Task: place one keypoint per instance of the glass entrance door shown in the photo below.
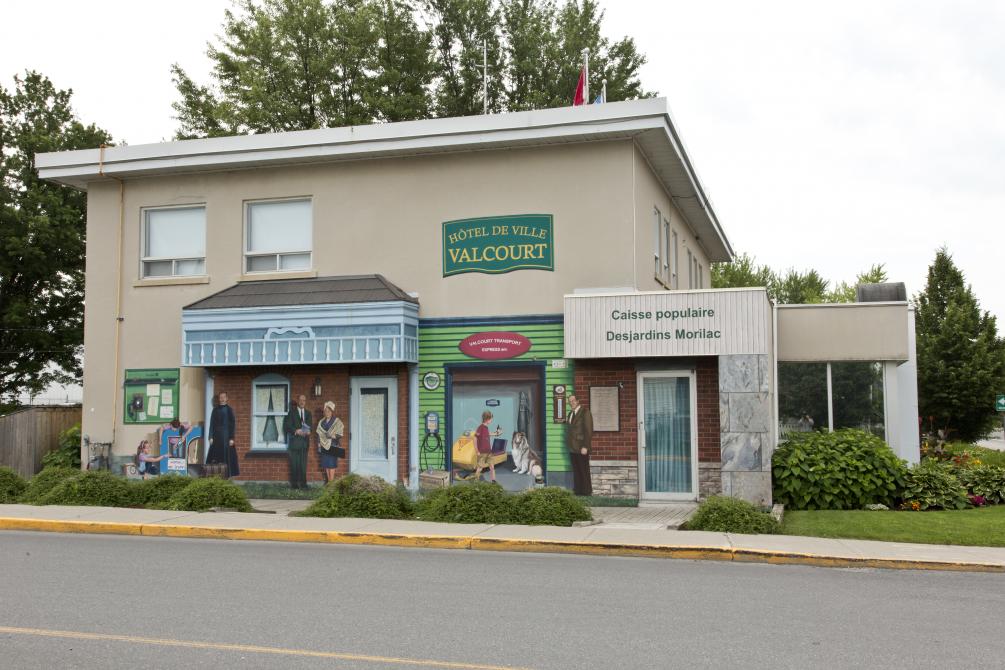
(668, 449)
(373, 442)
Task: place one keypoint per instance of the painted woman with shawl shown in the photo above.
(330, 430)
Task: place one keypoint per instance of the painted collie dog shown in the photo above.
(525, 459)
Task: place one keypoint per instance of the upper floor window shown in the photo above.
(174, 242)
(673, 260)
(278, 236)
(690, 269)
(701, 276)
(657, 243)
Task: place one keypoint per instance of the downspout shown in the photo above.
(774, 386)
(413, 427)
(118, 290)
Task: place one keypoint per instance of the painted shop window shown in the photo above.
(829, 396)
(278, 236)
(174, 242)
(271, 399)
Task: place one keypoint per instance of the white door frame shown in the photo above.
(640, 395)
(356, 464)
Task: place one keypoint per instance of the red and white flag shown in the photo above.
(580, 97)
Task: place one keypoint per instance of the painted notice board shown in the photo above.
(151, 395)
(498, 244)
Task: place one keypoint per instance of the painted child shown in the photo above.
(483, 444)
(146, 464)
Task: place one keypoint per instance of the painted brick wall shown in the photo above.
(623, 445)
(237, 382)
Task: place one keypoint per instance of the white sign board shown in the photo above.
(668, 323)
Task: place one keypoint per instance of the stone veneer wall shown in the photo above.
(615, 478)
(745, 414)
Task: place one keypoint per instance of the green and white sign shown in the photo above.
(151, 395)
(498, 244)
(1000, 402)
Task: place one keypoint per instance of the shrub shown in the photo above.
(475, 502)
(99, 488)
(731, 515)
(12, 485)
(846, 469)
(45, 481)
(364, 497)
(156, 492)
(68, 453)
(985, 481)
(932, 485)
(964, 454)
(549, 506)
(205, 494)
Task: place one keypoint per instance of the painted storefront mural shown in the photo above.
(494, 381)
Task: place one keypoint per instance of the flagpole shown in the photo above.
(485, 75)
(603, 92)
(586, 76)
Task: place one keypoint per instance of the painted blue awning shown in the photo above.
(288, 322)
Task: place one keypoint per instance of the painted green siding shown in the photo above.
(438, 347)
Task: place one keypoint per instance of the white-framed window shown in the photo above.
(270, 400)
(690, 269)
(173, 242)
(701, 276)
(666, 252)
(695, 274)
(278, 235)
(657, 242)
(673, 261)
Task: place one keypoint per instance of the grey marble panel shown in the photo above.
(723, 413)
(754, 487)
(764, 372)
(749, 413)
(739, 373)
(741, 451)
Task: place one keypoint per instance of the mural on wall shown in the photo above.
(150, 395)
(491, 405)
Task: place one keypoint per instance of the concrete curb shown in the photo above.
(470, 542)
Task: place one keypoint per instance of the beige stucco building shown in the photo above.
(347, 264)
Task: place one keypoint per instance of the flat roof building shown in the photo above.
(422, 274)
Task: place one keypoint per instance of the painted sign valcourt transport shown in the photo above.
(668, 323)
(498, 244)
(494, 346)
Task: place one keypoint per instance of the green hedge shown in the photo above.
(846, 469)
(98, 488)
(549, 506)
(731, 515)
(45, 481)
(157, 491)
(12, 486)
(365, 497)
(474, 502)
(205, 494)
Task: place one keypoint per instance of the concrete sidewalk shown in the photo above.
(595, 540)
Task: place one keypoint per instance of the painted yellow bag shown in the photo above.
(464, 453)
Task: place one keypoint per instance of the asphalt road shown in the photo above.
(88, 601)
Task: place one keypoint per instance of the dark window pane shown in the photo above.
(802, 397)
(857, 390)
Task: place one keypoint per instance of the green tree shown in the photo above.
(961, 359)
(742, 271)
(303, 64)
(41, 239)
(844, 292)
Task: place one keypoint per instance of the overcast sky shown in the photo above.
(828, 135)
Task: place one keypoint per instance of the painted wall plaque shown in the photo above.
(494, 346)
(498, 244)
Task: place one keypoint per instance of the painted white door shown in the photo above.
(668, 432)
(373, 429)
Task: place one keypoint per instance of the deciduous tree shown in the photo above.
(41, 239)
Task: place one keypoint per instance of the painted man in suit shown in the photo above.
(297, 426)
(222, 427)
(579, 437)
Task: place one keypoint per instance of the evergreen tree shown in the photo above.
(41, 240)
(961, 359)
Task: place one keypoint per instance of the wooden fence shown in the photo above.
(28, 434)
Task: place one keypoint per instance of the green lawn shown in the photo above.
(982, 527)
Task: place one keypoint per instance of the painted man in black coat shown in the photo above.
(222, 427)
(297, 427)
